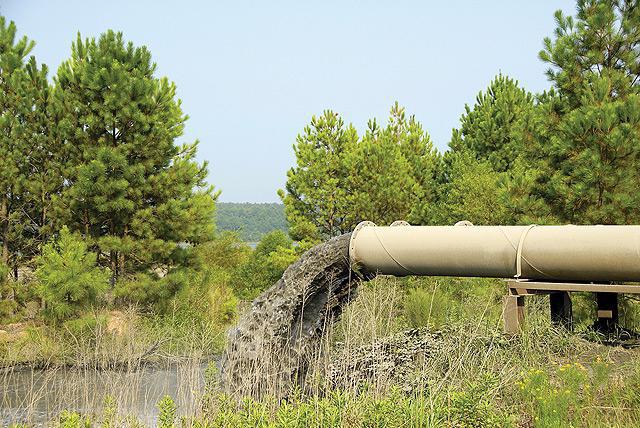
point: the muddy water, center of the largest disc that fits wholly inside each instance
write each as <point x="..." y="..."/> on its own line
<point x="38" y="396"/>
<point x="276" y="341"/>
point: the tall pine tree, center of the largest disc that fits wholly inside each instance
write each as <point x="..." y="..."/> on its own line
<point x="16" y="108"/>
<point x="591" y="133"/>
<point x="129" y="187"/>
<point x="491" y="129"/>
<point x="316" y="190"/>
<point x="391" y="171"/>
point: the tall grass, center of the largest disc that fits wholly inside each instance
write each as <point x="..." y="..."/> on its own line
<point x="470" y="375"/>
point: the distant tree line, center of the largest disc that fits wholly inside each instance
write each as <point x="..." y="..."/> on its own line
<point x="567" y="155"/>
<point x="251" y="220"/>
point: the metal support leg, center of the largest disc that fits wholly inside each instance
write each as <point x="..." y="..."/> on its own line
<point x="561" y="313"/>
<point x="513" y="314"/>
<point x="607" y="312"/>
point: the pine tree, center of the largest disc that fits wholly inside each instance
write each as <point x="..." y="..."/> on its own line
<point x="591" y="132"/>
<point x="68" y="277"/>
<point x="15" y="107"/>
<point x="130" y="188"/>
<point x="316" y="190"/>
<point x="341" y="180"/>
<point x="491" y="129"/>
<point x="495" y="138"/>
<point x="391" y="171"/>
<point x="45" y="162"/>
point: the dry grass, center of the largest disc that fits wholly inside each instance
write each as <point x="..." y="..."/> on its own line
<point x="469" y="375"/>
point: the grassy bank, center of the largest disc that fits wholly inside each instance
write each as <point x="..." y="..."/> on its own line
<point x="468" y="375"/>
<point x="109" y="339"/>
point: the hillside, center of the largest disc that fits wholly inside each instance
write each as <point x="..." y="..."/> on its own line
<point x="252" y="220"/>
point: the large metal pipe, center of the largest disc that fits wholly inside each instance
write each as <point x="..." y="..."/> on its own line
<point x="556" y="253"/>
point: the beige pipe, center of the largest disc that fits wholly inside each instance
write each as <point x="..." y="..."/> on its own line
<point x="567" y="253"/>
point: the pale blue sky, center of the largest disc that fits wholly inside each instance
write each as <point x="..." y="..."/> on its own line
<point x="251" y="74"/>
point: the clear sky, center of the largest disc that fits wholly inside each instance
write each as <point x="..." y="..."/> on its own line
<point x="251" y="74"/>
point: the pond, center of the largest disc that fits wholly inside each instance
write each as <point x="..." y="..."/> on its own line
<point x="38" y="396"/>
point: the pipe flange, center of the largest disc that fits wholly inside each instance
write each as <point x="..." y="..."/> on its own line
<point x="399" y="223"/>
<point x="463" y="223"/>
<point x="352" y="241"/>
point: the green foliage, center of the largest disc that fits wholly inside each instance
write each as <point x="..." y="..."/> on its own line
<point x="23" y="120"/>
<point x="316" y="190"/>
<point x="390" y="171"/>
<point x="68" y="279"/>
<point x="590" y="138"/>
<point x="109" y="412"/>
<point x="435" y="302"/>
<point x="73" y="420"/>
<point x="265" y="265"/>
<point x="472" y="191"/>
<point x="341" y="408"/>
<point x="251" y="220"/>
<point x="340" y="180"/>
<point x="427" y="308"/>
<point x="7" y="305"/>
<point x="492" y="129"/>
<point x="489" y="174"/>
<point x="129" y="188"/>
<point x="85" y="326"/>
<point x="167" y="416"/>
<point x="473" y="406"/>
<point x="226" y="251"/>
<point x="570" y="394"/>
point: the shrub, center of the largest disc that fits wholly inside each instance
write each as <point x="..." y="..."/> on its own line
<point x="226" y="251"/>
<point x="69" y="280"/>
<point x="474" y="406"/>
<point x="554" y="402"/>
<point x="150" y="290"/>
<point x="85" y="327"/>
<point x="266" y="264"/>
<point x="167" y="415"/>
<point x="109" y="412"/>
<point x="73" y="420"/>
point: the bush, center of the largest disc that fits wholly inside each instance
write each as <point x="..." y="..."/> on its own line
<point x="85" y="327"/>
<point x="68" y="279"/>
<point x="264" y="267"/>
<point x="226" y="251"/>
<point x="167" y="412"/>
<point x="150" y="290"/>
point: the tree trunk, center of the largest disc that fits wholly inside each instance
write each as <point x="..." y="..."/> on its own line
<point x="114" y="267"/>
<point x="4" y="218"/>
<point x="121" y="257"/>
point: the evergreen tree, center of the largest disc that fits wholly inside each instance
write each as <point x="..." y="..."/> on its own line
<point x="340" y="180"/>
<point x="69" y="279"/>
<point x="391" y="171"/>
<point x="21" y="118"/>
<point x="129" y="187"/>
<point x="316" y="190"/>
<point x="591" y="119"/>
<point x="45" y="166"/>
<point x="472" y="191"/>
<point x="491" y="130"/>
<point x="495" y="140"/>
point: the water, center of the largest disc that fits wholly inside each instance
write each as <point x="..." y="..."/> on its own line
<point x="38" y="396"/>
<point x="274" y="344"/>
